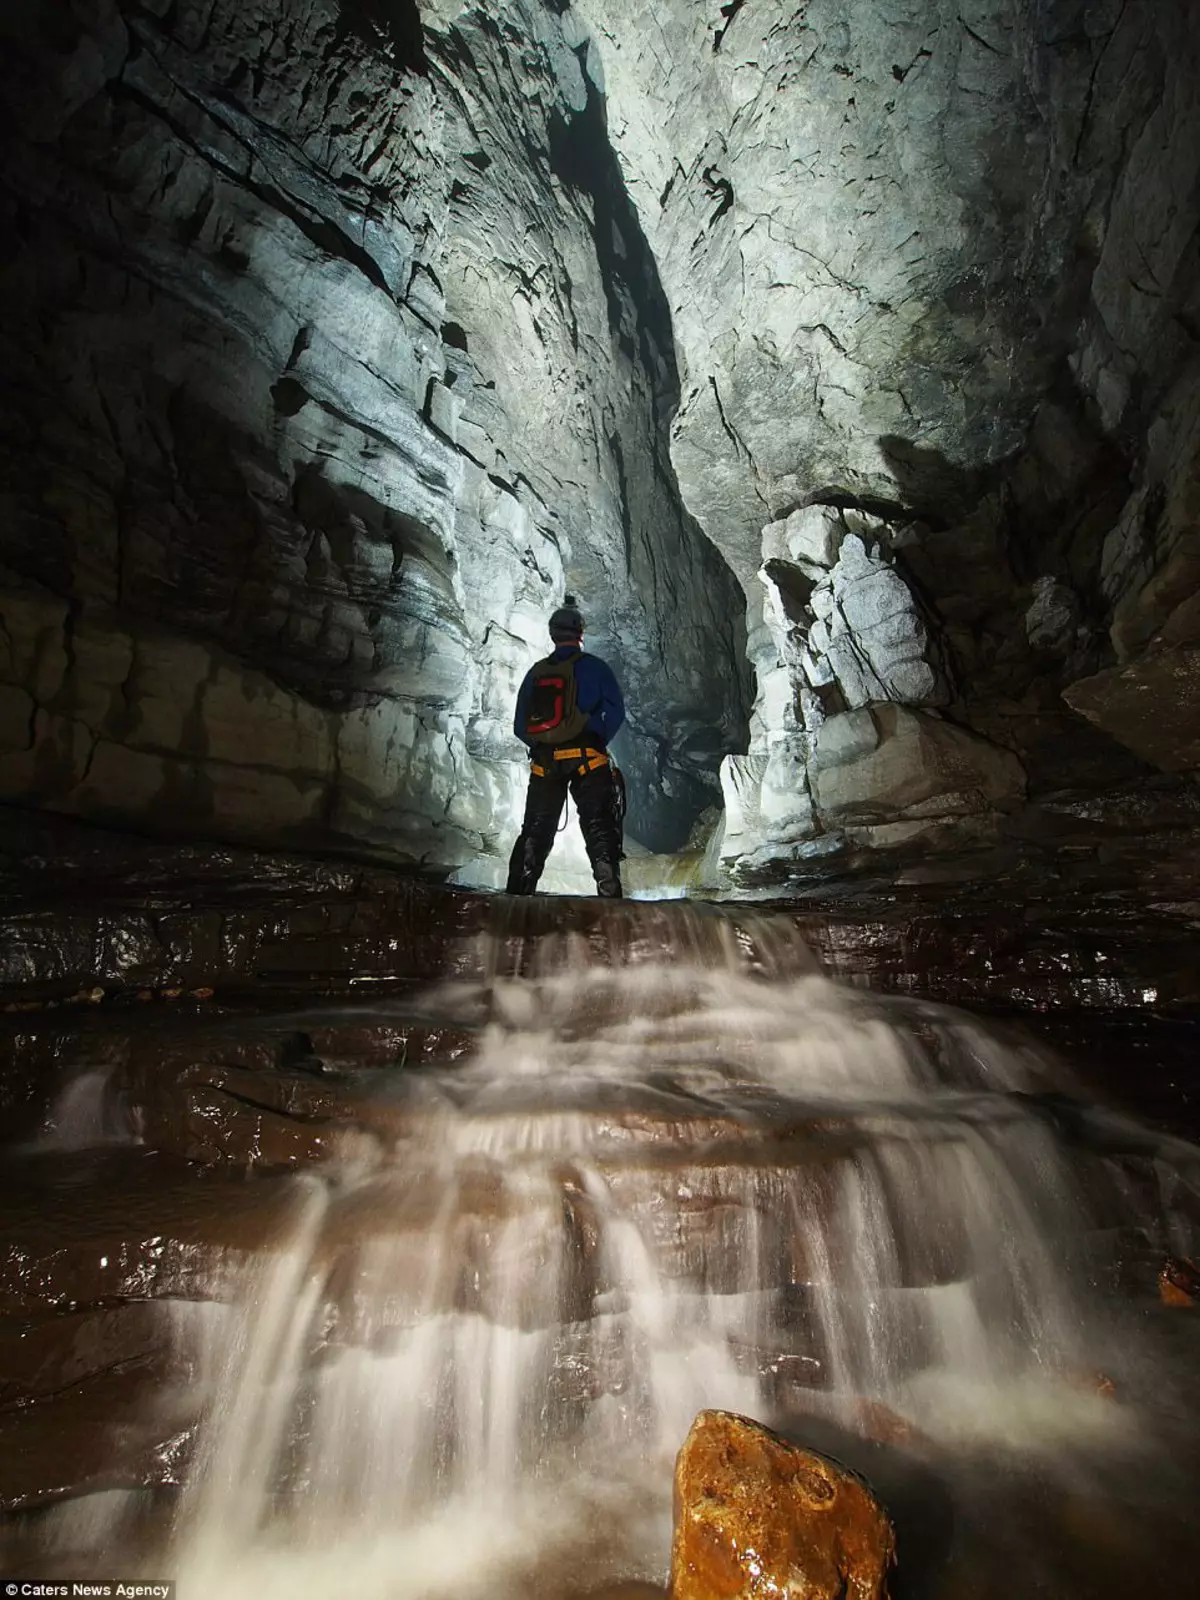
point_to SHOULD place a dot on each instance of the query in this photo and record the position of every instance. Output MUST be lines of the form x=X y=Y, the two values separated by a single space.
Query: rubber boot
x=608 y=879
x=603 y=845
x=527 y=861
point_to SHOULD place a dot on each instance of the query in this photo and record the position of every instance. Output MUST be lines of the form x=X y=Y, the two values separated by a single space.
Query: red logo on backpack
x=553 y=715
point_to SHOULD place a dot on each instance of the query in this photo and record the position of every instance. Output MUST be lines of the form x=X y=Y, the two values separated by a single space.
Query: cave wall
x=933 y=277
x=852 y=344
x=317 y=392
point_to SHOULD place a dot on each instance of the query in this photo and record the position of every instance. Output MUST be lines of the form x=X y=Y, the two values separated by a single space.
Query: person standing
x=569 y=706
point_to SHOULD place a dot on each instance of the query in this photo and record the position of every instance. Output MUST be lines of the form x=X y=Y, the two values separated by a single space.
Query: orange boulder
x=757 y=1518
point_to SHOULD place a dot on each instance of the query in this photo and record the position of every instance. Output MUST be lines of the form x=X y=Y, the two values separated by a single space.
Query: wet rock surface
x=241 y=1010
x=183 y=1029
x=754 y=1515
x=96 y=1230
x=1083 y=905
x=126 y=1262
x=108 y=1257
x=1179 y=1283
x=111 y=1432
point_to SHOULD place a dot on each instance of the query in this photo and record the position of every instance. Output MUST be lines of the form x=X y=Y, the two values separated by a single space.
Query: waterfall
x=709 y=1177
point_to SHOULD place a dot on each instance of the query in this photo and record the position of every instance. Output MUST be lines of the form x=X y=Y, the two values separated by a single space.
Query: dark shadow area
x=874 y=505
x=582 y=157
x=998 y=536
x=395 y=24
x=933 y=488
x=795 y=589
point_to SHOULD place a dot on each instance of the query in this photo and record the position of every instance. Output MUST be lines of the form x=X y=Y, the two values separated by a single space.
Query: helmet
x=566 y=625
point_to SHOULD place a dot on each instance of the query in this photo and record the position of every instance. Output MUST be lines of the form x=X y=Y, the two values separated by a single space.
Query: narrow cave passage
x=370 y=1231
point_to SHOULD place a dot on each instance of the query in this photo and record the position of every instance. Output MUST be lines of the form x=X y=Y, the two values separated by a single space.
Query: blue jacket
x=596 y=691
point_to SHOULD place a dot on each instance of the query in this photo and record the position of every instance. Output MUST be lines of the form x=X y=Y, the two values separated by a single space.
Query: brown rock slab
x=82 y=1231
x=46 y=1355
x=113 y=1431
x=84 y=911
x=1152 y=705
x=756 y=1516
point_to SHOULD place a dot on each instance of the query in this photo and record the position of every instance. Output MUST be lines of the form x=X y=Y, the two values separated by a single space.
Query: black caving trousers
x=594 y=792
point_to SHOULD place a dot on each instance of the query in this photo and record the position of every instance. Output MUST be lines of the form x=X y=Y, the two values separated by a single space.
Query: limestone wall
x=931 y=269
x=851 y=345
x=320 y=385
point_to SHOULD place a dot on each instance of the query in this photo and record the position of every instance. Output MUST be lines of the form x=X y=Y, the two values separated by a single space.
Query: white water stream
x=657 y=1187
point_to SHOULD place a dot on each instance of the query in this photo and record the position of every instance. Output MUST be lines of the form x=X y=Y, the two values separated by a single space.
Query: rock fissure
x=249 y=135
x=1089 y=97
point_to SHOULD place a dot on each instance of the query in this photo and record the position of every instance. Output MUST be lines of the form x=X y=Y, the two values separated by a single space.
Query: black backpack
x=552 y=715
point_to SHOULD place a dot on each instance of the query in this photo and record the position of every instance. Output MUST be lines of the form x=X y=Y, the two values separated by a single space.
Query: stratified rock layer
x=182 y=1030
x=755 y=1516
x=93 y=918
x=332 y=353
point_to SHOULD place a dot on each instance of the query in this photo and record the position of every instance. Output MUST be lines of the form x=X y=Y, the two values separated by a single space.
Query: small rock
x=1053 y=615
x=1094 y=1382
x=79 y=998
x=756 y=1516
x=813 y=534
x=881 y=1424
x=1178 y=1282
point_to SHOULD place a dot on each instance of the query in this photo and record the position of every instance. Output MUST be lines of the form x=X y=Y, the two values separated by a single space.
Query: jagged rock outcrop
x=331 y=354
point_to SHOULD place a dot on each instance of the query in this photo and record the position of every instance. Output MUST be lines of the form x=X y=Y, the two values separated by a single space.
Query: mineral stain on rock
x=756 y=1516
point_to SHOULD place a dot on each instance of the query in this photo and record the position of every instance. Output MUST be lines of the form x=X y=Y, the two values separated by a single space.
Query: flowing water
x=672 y=1178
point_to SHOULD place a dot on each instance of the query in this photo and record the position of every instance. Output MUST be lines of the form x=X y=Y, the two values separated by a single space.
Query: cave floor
x=240 y=1016
x=106 y=938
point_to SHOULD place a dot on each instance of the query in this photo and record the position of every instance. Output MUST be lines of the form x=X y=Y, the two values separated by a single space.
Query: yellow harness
x=587 y=758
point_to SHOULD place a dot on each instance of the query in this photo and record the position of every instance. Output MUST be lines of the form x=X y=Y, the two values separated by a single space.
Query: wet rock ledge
x=163 y=964
x=91 y=916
